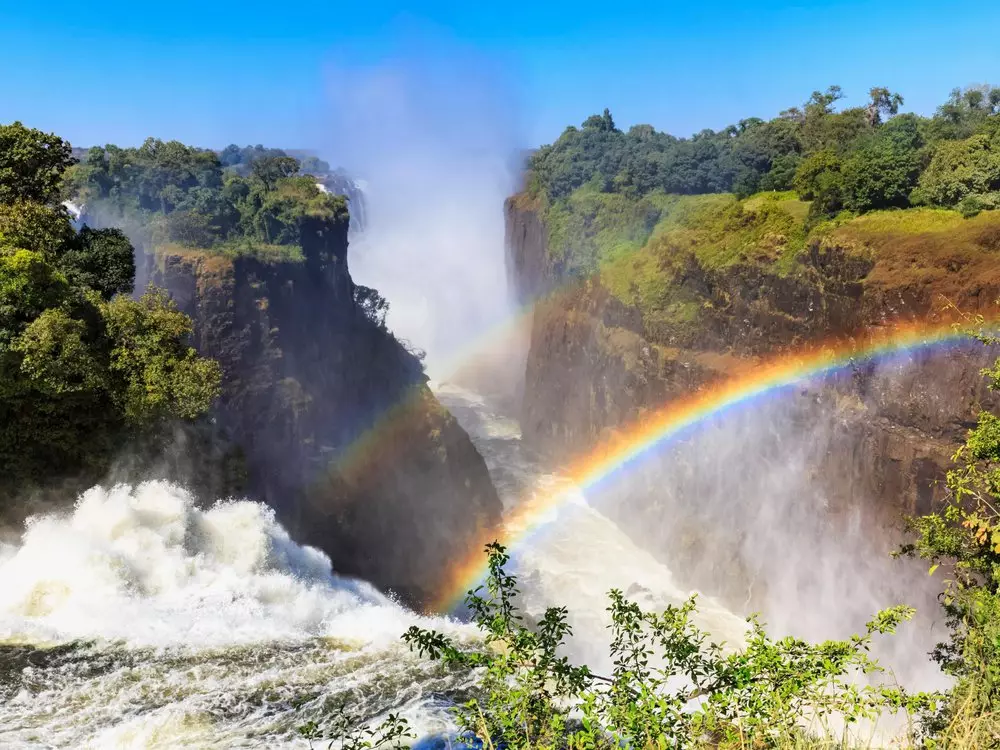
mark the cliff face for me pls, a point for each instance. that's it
(598, 361)
(340, 433)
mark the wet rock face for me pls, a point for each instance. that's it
(595, 364)
(339, 431)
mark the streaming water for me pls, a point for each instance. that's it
(139, 620)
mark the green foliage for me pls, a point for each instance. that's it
(194, 198)
(28, 286)
(862, 159)
(345, 732)
(273, 168)
(817, 173)
(157, 375)
(960, 169)
(101, 259)
(670, 686)
(31, 164)
(880, 174)
(372, 304)
(83, 369)
(35, 226)
(964, 538)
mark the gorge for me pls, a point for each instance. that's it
(583, 370)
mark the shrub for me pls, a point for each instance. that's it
(670, 687)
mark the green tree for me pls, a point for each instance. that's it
(273, 168)
(815, 173)
(883, 171)
(962, 539)
(29, 285)
(36, 226)
(101, 259)
(670, 687)
(31, 164)
(83, 368)
(959, 169)
(156, 374)
(883, 103)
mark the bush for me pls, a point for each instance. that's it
(964, 537)
(671, 686)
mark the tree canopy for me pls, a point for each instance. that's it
(240, 200)
(84, 368)
(857, 158)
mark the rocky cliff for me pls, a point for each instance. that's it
(675, 315)
(341, 436)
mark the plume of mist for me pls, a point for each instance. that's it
(432, 132)
(785, 508)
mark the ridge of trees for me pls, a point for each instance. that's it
(856, 158)
(242, 200)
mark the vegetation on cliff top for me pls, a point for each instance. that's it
(252, 202)
(858, 158)
(83, 367)
(662, 220)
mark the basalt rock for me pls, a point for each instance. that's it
(340, 433)
(596, 364)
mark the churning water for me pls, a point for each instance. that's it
(140, 620)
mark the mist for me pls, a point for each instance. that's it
(433, 135)
(774, 508)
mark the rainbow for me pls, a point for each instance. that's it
(756, 380)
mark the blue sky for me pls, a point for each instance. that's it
(217, 71)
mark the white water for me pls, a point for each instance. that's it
(192, 627)
(144, 621)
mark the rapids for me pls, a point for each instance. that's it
(139, 620)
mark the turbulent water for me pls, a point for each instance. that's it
(140, 620)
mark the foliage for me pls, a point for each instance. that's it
(861, 158)
(31, 164)
(670, 687)
(192, 197)
(101, 259)
(374, 306)
(880, 174)
(346, 733)
(959, 170)
(83, 368)
(963, 537)
(34, 226)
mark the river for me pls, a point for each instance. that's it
(140, 620)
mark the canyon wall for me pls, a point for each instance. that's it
(340, 434)
(597, 362)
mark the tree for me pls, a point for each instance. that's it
(29, 285)
(83, 368)
(670, 686)
(603, 122)
(959, 169)
(883, 103)
(813, 170)
(35, 226)
(155, 374)
(32, 164)
(963, 537)
(101, 259)
(273, 168)
(314, 165)
(879, 176)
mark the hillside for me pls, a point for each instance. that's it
(643, 297)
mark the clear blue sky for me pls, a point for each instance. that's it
(215, 71)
